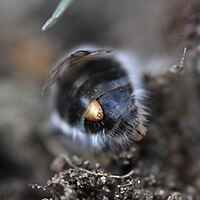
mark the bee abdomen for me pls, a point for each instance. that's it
(98, 99)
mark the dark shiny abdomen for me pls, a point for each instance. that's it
(102, 79)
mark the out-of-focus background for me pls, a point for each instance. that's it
(155, 31)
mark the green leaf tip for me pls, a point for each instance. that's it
(60, 9)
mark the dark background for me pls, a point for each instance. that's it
(155, 31)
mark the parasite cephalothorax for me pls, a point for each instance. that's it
(98, 98)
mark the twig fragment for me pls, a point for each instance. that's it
(67, 159)
(54, 148)
(171, 72)
(178, 68)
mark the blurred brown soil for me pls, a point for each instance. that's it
(164, 165)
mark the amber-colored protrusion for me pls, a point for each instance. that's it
(94, 112)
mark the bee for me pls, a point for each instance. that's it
(98, 98)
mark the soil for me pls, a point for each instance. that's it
(164, 165)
